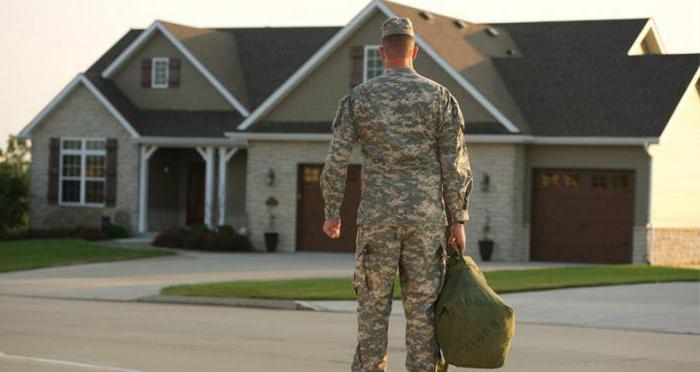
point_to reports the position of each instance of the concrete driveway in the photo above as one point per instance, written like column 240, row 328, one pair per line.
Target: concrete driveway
column 658, row 307
column 128, row 280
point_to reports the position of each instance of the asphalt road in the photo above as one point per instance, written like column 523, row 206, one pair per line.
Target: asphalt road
column 38, row 334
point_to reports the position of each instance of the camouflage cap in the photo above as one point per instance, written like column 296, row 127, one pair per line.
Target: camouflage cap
column 397, row 26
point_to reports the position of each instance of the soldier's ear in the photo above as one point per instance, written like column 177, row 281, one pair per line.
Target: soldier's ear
column 382, row 53
column 415, row 52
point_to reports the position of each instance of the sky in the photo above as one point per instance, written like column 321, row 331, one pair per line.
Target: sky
column 45, row 43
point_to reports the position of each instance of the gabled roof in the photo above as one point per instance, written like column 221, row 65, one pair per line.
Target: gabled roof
column 574, row 38
column 320, row 56
column 611, row 95
column 80, row 79
column 178, row 36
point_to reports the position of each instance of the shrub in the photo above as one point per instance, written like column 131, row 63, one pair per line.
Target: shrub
column 172, row 237
column 193, row 236
column 113, row 231
column 230, row 240
column 199, row 237
column 89, row 233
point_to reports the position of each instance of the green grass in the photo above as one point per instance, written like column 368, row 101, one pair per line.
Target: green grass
column 38, row 253
column 500, row 281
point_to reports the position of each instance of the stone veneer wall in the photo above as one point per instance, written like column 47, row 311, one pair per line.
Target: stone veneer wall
column 675, row 246
column 82, row 115
column 503, row 202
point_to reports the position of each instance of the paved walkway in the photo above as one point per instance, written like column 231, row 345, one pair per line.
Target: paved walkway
column 128, row 280
column 61, row 335
column 661, row 307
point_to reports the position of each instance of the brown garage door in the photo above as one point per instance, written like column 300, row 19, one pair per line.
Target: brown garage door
column 310, row 236
column 582, row 215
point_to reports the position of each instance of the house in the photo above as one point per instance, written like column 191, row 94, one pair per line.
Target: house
column 584, row 136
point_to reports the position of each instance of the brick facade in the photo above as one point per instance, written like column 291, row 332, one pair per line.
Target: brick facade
column 502, row 201
column 82, row 115
column 675, row 246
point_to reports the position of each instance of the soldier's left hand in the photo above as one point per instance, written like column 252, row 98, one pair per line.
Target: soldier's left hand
column 332, row 228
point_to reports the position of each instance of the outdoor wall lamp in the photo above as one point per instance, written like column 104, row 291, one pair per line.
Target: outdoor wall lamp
column 485, row 182
column 270, row 177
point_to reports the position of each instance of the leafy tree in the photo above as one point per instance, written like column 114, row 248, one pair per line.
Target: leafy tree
column 14, row 185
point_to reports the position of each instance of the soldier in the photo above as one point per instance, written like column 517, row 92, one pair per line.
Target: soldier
column 415, row 166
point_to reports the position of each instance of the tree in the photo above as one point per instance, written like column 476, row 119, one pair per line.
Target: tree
column 14, row 185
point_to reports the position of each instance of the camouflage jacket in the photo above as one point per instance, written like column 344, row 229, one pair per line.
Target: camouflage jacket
column 411, row 133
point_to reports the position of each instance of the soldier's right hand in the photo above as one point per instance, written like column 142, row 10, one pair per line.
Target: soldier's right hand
column 332, row 228
column 458, row 239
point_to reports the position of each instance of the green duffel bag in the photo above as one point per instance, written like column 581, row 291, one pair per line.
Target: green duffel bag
column 474, row 325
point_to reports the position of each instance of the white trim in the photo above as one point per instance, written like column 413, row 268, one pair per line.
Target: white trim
column 83, row 153
column 146, row 35
column 309, row 65
column 155, row 60
column 80, row 78
column 341, row 36
column 146, row 153
column 469, row 138
column 364, row 59
column 207, row 154
column 650, row 26
column 164, row 141
column 225, row 154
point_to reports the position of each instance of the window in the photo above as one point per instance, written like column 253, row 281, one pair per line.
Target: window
column 160, row 72
column 82, row 173
column 374, row 66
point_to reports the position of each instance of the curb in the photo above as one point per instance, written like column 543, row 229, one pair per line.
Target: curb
column 238, row 302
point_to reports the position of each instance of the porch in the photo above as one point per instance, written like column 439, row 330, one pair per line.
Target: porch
column 186, row 182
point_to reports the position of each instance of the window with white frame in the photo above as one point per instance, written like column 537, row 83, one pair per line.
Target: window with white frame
column 82, row 173
column 160, row 72
column 373, row 66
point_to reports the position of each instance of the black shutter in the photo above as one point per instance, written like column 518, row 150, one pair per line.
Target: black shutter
column 54, row 165
column 174, row 73
column 357, row 54
column 111, row 173
column 146, row 66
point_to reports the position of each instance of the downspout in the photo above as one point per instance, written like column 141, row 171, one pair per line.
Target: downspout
column 650, row 225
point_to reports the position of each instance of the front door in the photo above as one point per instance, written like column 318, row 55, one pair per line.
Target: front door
column 310, row 236
column 195, row 194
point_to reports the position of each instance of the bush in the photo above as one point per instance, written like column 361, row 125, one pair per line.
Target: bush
column 200, row 237
column 173, row 237
column 113, row 231
column 193, row 238
column 89, row 233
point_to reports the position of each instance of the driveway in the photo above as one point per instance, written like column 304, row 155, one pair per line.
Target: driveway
column 128, row 280
column 659, row 307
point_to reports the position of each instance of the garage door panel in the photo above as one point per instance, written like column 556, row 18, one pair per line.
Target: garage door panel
column 582, row 215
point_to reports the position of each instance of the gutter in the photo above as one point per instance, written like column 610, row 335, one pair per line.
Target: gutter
column 190, row 141
column 469, row 138
column 650, row 224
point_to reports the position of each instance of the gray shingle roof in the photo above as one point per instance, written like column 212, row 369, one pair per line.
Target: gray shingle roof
column 575, row 79
column 598, row 95
column 574, row 38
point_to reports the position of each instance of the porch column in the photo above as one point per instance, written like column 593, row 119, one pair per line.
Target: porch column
column 225, row 154
column 146, row 152
column 207, row 154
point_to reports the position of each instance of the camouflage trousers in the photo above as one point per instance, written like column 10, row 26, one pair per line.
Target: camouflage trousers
column 418, row 252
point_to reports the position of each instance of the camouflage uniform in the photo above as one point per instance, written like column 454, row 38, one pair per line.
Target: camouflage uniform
column 410, row 130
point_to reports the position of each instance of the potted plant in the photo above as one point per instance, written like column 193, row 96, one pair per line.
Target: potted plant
column 271, row 236
column 486, row 244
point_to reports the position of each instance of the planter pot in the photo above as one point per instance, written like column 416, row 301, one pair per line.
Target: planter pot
column 271, row 240
column 485, row 249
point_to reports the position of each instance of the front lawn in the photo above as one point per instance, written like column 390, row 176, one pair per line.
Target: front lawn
column 500, row 281
column 37, row 253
